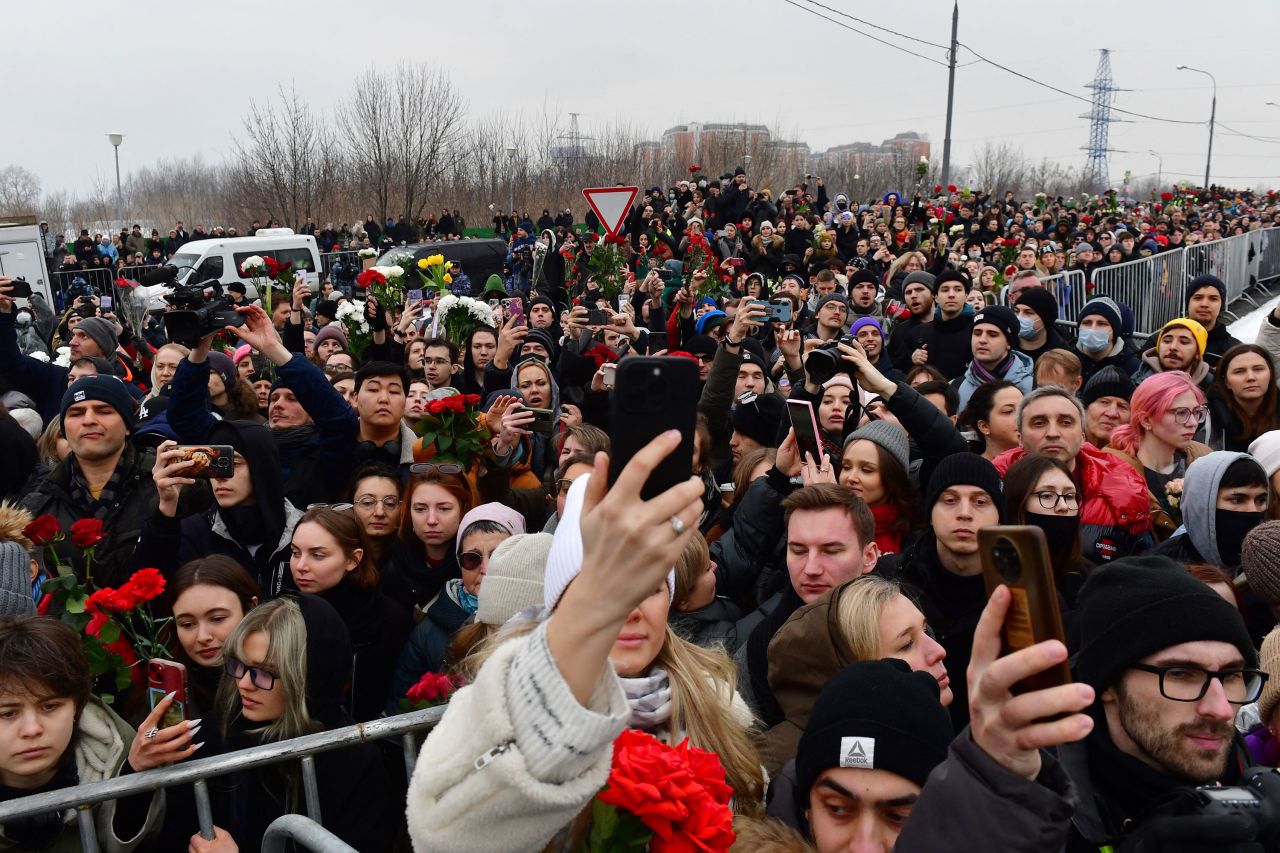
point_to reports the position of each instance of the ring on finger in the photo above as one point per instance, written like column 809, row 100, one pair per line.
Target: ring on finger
column 677, row 525
column 151, row 733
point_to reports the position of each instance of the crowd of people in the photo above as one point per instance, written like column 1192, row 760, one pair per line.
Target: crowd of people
column 820, row 625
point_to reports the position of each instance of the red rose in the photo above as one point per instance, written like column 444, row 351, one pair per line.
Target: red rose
column 42, row 530
column 145, row 584
column 951, row 188
column 1166, row 196
column 473, row 399
column 432, row 688
column 87, row 532
column 937, row 188
column 435, row 407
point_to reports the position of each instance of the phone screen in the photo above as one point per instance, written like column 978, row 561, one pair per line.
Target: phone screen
column 806, row 427
column 105, row 303
column 174, row 714
column 415, row 296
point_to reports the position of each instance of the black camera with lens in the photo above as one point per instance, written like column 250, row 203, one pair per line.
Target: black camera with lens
column 199, row 310
column 825, row 360
column 1257, row 797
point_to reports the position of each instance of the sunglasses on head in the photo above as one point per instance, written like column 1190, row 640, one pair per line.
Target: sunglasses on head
column 442, row 467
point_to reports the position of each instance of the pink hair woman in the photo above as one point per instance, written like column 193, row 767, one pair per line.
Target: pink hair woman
column 1165, row 413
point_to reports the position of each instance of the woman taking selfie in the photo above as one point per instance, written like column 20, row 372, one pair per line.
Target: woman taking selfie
column 1164, row 414
column 546, row 706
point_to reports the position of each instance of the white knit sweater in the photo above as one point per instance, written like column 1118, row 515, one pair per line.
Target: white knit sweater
column 515, row 758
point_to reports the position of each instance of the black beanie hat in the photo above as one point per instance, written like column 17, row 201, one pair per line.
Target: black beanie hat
column 542, row 300
column 1107, row 309
column 864, row 275
column 952, row 275
column 965, row 469
column 701, row 345
column 1110, row 381
column 1207, row 280
column 1003, row 319
column 1042, row 302
column 759, row 419
column 327, row 308
column 1136, row 606
column 874, row 715
column 103, row 388
column 541, row 336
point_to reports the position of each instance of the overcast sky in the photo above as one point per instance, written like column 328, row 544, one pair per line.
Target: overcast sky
column 177, row 78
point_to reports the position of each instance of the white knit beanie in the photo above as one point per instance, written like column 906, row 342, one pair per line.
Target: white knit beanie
column 565, row 560
column 513, row 580
column 1266, row 449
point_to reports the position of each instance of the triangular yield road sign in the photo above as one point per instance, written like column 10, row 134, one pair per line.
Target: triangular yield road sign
column 611, row 205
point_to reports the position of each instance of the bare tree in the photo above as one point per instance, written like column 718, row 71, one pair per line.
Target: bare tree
column 288, row 161
column 998, row 168
column 19, row 190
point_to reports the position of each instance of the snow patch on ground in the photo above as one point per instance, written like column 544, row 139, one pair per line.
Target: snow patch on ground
column 1246, row 328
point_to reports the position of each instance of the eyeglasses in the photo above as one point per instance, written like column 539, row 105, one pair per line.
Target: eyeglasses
column 1186, row 416
column 471, row 560
column 261, row 678
column 334, row 507
column 1186, row 683
column 442, row 467
column 368, row 502
column 1049, row 500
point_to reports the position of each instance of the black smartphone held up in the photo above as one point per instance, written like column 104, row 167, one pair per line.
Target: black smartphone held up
column 1018, row 557
column 805, row 425
column 20, row 288
column 653, row 394
column 544, row 420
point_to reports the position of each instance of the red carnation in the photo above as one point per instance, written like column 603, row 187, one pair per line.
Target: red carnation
column 94, row 628
column 1166, row 196
column 433, row 688
column 938, row 188
column 1010, row 241
column 145, row 584
column 87, row 532
column 951, row 188
column 42, row 530
column 693, row 169
column 472, row 399
column 370, row 277
column 1010, row 270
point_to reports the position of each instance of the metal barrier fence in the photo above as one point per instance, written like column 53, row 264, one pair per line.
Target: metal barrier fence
column 351, row 265
column 304, row 831
column 197, row 773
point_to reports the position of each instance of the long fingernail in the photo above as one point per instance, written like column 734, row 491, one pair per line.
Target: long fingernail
column 194, row 732
column 197, row 746
column 171, row 694
column 194, row 724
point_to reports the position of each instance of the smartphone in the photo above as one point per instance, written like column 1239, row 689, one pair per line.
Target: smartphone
column 780, row 310
column 610, row 377
column 21, row 288
column 494, row 303
column 596, row 317
column 805, row 425
column 414, row 296
column 165, row 677
column 209, row 461
column 1018, row 557
column 105, row 303
column 515, row 308
column 544, row 420
column 653, row 394
column 300, row 277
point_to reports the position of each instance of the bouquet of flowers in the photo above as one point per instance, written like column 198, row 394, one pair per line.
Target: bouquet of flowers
column 668, row 798
column 434, row 273
column 1041, row 201
column 700, row 257
column 922, row 168
column 351, row 314
column 607, row 265
column 386, row 284
column 116, row 626
column 456, row 316
column 267, row 274
column 431, row 689
column 453, row 427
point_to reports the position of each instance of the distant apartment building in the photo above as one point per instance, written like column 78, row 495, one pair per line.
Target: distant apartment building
column 718, row 146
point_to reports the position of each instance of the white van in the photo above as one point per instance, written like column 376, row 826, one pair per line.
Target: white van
column 220, row 258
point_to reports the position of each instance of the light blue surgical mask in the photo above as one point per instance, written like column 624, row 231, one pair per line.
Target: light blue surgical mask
column 1027, row 327
column 1093, row 341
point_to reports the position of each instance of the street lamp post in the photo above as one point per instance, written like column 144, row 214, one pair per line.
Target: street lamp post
column 1159, row 166
column 116, row 139
column 1213, row 113
column 511, row 181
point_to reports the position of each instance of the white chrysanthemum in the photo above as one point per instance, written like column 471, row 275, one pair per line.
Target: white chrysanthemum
column 41, row 355
column 368, row 253
column 253, row 262
column 402, row 259
column 64, row 357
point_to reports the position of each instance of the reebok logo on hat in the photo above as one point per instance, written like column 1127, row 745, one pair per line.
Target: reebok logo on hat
column 858, row 752
column 78, row 396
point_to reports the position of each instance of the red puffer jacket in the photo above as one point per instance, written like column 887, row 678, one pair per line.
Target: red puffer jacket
column 1115, row 512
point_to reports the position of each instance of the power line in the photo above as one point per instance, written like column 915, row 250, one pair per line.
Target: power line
column 876, row 26
column 861, row 33
column 1270, row 139
column 1051, row 87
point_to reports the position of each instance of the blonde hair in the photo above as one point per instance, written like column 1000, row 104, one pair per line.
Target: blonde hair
column 690, row 566
column 47, row 445
column 281, row 620
column 858, row 606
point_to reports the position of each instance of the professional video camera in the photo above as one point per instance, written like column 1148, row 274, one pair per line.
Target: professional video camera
column 199, row 309
column 825, row 360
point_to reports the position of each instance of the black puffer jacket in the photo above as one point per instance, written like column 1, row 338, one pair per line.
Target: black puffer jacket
column 134, row 504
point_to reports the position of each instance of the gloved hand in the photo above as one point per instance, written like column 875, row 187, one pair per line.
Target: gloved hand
column 1227, row 833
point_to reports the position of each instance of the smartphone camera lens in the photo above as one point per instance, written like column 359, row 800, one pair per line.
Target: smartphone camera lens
column 1006, row 559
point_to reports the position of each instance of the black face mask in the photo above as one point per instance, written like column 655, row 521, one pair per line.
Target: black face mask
column 1060, row 531
column 1232, row 527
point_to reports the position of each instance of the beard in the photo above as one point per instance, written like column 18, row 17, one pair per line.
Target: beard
column 1171, row 749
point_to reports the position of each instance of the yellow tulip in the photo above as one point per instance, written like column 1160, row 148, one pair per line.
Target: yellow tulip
column 423, row 264
column 448, row 279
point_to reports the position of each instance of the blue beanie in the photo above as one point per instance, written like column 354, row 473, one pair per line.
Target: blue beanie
column 105, row 389
column 709, row 320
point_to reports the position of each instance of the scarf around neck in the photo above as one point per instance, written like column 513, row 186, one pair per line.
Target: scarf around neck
column 649, row 697
column 984, row 376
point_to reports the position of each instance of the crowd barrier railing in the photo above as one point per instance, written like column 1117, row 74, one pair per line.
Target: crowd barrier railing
column 303, row 832
column 81, row 798
column 351, row 261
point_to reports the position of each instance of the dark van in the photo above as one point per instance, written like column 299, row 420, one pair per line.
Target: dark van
column 479, row 258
